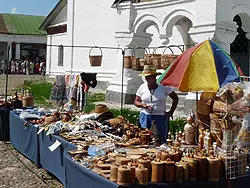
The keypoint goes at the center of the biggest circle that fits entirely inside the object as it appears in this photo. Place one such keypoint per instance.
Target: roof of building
(117, 2)
(20, 24)
(53, 14)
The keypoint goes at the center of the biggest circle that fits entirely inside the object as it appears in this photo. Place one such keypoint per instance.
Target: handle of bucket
(133, 52)
(154, 52)
(168, 47)
(177, 46)
(93, 48)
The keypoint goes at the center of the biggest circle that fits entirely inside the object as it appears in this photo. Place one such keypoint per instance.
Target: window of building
(60, 55)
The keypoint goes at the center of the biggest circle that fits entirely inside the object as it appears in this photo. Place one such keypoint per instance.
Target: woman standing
(151, 98)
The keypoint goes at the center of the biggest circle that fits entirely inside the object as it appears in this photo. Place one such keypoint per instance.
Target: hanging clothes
(58, 92)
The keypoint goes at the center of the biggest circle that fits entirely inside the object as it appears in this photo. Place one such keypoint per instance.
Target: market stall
(96, 149)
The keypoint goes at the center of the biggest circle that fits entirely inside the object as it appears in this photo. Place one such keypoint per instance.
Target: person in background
(31, 67)
(27, 67)
(37, 68)
(24, 67)
(12, 66)
(2, 66)
(17, 67)
(151, 98)
(43, 68)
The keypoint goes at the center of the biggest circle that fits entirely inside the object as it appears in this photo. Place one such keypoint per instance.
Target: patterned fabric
(69, 89)
(58, 93)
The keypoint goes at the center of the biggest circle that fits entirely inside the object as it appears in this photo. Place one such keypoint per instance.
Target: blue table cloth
(53, 161)
(79, 176)
(23, 137)
(4, 124)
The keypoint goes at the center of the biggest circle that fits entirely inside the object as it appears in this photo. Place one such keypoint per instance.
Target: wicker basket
(148, 58)
(95, 60)
(167, 60)
(136, 64)
(143, 62)
(128, 62)
(156, 61)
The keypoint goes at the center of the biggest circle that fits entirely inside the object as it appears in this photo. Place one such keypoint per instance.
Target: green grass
(40, 90)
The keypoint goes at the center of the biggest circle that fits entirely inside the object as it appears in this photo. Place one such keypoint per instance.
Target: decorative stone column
(131, 79)
(18, 51)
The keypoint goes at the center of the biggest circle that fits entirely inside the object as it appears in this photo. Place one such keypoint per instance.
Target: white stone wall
(52, 54)
(93, 24)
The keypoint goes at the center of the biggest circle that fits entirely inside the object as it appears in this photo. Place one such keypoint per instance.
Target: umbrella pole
(197, 124)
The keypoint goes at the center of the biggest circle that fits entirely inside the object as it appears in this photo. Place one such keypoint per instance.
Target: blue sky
(30, 7)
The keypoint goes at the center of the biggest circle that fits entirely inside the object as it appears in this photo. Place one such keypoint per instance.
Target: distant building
(24, 34)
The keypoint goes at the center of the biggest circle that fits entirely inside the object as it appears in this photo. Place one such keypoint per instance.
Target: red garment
(37, 68)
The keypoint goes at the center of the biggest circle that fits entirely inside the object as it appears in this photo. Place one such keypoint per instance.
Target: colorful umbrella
(204, 67)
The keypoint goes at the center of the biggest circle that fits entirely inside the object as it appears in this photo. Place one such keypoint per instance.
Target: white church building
(139, 23)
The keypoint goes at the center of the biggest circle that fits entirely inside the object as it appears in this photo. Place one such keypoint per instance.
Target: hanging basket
(128, 62)
(156, 59)
(167, 59)
(148, 58)
(95, 60)
(137, 63)
(143, 62)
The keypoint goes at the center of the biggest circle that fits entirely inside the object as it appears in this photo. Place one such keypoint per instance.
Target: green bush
(177, 125)
(95, 97)
(131, 115)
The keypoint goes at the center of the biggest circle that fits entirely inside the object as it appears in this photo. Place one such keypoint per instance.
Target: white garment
(159, 96)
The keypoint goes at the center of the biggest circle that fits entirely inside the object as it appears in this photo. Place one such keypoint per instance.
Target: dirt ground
(15, 170)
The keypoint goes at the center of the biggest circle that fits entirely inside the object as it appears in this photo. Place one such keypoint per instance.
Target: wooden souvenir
(213, 169)
(146, 162)
(141, 175)
(157, 171)
(169, 170)
(202, 164)
(124, 175)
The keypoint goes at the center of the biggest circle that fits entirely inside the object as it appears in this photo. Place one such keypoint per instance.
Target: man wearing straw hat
(151, 98)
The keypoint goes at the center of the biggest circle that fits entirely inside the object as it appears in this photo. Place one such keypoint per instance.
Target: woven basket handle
(154, 52)
(133, 53)
(169, 49)
(93, 48)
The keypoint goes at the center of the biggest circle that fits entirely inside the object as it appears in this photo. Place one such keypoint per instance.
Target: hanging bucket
(136, 63)
(148, 58)
(168, 59)
(95, 60)
(156, 59)
(128, 62)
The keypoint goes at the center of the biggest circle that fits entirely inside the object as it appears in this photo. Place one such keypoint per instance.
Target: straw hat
(103, 112)
(149, 70)
(100, 109)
